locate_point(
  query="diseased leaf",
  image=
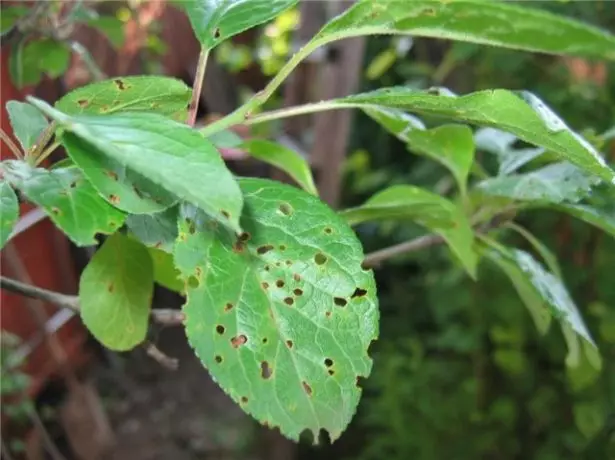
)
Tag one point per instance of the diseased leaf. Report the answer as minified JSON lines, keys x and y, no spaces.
{"x":165,"y":272}
{"x":555,"y":183}
{"x":152,"y":94}
{"x":282,"y":315}
{"x":406,"y":202}
{"x":115,"y":293}
{"x":67,"y":198}
{"x":476,"y":21}
{"x":602,"y":219}
{"x":157,"y":230}
{"x":9,"y":211}
{"x":168,"y":154}
{"x":500,"y":143}
{"x":214,"y":21}
{"x":523,"y":115}
{"x":285,"y":159}
{"x":27,"y":122}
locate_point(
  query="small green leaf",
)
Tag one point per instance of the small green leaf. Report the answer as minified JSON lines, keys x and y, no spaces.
{"x":214,"y":21}
{"x":165,"y":272}
{"x":285,"y":159}
{"x":110,"y":27}
{"x":27,"y":122}
{"x":115,"y":293}
{"x":406,"y":202}
{"x":602,"y":219}
{"x":67,"y":198}
{"x":171,"y":155}
{"x":157,"y":230}
{"x":555,"y":183}
{"x":53,"y":57}
{"x":500,"y":143}
{"x":475,"y":21}
{"x":10,"y":15}
{"x":152,"y":94}
{"x":24,"y":72}
{"x":524,"y":115}
{"x":9,"y":211}
{"x":282,"y":315}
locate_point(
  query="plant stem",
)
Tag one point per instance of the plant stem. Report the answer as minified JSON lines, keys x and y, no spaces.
{"x":167,"y":317}
{"x":375,"y":258}
{"x":95,"y":71}
{"x":301,"y":110}
{"x":197,"y":86}
{"x":10,"y":144}
{"x":48,"y":151}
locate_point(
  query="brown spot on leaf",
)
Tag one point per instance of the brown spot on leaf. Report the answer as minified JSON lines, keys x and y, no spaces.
{"x":120,"y":84}
{"x":265,"y":285}
{"x":289,"y":263}
{"x":340,"y":302}
{"x":328,"y":362}
{"x":56,"y":211}
{"x":307,"y":388}
{"x":298,"y":292}
{"x":193,"y":282}
{"x":111,"y":174}
{"x":238,"y":247}
{"x":266,"y":370}
{"x":328,"y":314}
{"x":245,"y":236}
{"x":264,"y":249}
{"x":114,"y":199}
{"x":331,"y":371}
{"x":289,"y":301}
{"x":228,"y":306}
{"x":83,"y":103}
{"x":285,"y":209}
{"x":320,"y":258}
{"x":198,"y":272}
{"x":279,"y":283}
{"x":111,"y":287}
{"x":297,"y":277}
{"x":282,"y":247}
{"x":265,"y":340}
{"x":358,"y":292}
{"x":238,"y":341}
{"x":328,"y":230}
{"x":217,"y":32}
{"x":289,"y":343}
{"x":225,"y":213}
{"x":220,"y":329}
{"x":218,"y":359}
{"x":244,"y":400}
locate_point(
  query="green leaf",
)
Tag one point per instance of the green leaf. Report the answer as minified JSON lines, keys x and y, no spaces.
{"x":589,"y":418}
{"x":214,"y":21}
{"x":530,"y":274}
{"x":397,"y":122}
{"x":406,"y":202}
{"x":554,"y":183}
{"x":110,"y":27}
{"x":157,"y":230}
{"x":24,"y":72}
{"x":152,"y":94}
{"x":282,"y":316}
{"x":225,"y":139}
{"x":67,"y":198}
{"x":27,"y":122}
{"x":165,"y":272}
{"x":285,"y":159}
{"x":475,"y":21}
{"x":29,"y":60}
{"x":169,"y":154}
{"x":523,"y":115}
{"x":10,"y":15}
{"x":545,"y":253}
{"x":9,"y":211}
{"x":602,"y":219}
{"x":115,"y":293}
{"x":500,"y":143}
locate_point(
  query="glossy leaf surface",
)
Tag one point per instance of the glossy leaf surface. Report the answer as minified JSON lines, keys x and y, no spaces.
{"x":282,"y":316}
{"x":27,"y":122}
{"x":9,"y":211}
{"x":157,"y":230}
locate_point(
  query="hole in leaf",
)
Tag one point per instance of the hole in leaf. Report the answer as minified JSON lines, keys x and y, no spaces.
{"x":298,"y":292}
{"x":285,"y":209}
{"x":282,"y":247}
{"x":328,"y":230}
{"x":264,"y":249}
{"x":120,"y":84}
{"x":279,"y":283}
{"x":289,"y":301}
{"x":265,"y":285}
{"x":266,"y":370}
{"x":74,"y":184}
{"x":228,"y":307}
{"x":111,"y":287}
{"x":114,"y":199}
{"x":225,"y":213}
{"x":307,"y":388}
{"x":297,"y":277}
{"x":245,"y":236}
{"x":217,"y":32}
{"x":83,"y":102}
{"x":238,"y":341}
{"x":218,"y":359}
{"x":358,"y":292}
{"x":339,"y":301}
{"x":244,"y":400}
{"x":220,"y":329}
{"x":289,"y":343}
{"x":320,"y":258}
{"x":328,"y":362}
{"x":193,"y":282}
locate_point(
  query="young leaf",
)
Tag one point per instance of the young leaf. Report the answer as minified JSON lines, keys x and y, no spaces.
{"x":9,"y":211}
{"x":554,"y":183}
{"x":500,"y":143}
{"x":157,"y":230}
{"x":523,"y":115}
{"x":602,"y":219}
{"x":67,"y":198}
{"x":166,"y":153}
{"x":214,"y":21}
{"x":285,"y":159}
{"x":152,"y":94}
{"x":551,"y":290}
{"x":115,"y":293}
{"x":165,"y":272}
{"x":27,"y":122}
{"x":406,"y":202}
{"x":545,"y":253}
{"x":282,"y":315}
{"x":475,"y":21}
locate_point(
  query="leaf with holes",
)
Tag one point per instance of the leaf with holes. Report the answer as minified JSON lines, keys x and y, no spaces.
{"x":283,"y":315}
{"x":544,"y":293}
{"x":475,"y":21}
{"x":406,"y":202}
{"x":67,"y":198}
{"x":170,"y":156}
{"x":27,"y":122}
{"x":115,"y":293}
{"x":157,"y":230}
{"x":285,"y":159}
{"x":521,"y":114}
{"x":555,"y":183}
{"x":9,"y":211}
{"x":214,"y":21}
{"x":603,"y":219}
{"x":162,"y":95}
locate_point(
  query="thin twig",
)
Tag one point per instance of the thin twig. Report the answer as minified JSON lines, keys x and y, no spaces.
{"x":197,"y":86}
{"x":10,"y":144}
{"x":43,"y":156}
{"x":95,"y":71}
{"x":167,"y":317}
{"x":375,"y":258}
{"x":164,"y":360}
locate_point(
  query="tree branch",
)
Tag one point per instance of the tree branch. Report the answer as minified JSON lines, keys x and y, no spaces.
{"x":167,"y":317}
{"x":197,"y":86}
{"x":374,"y":259}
